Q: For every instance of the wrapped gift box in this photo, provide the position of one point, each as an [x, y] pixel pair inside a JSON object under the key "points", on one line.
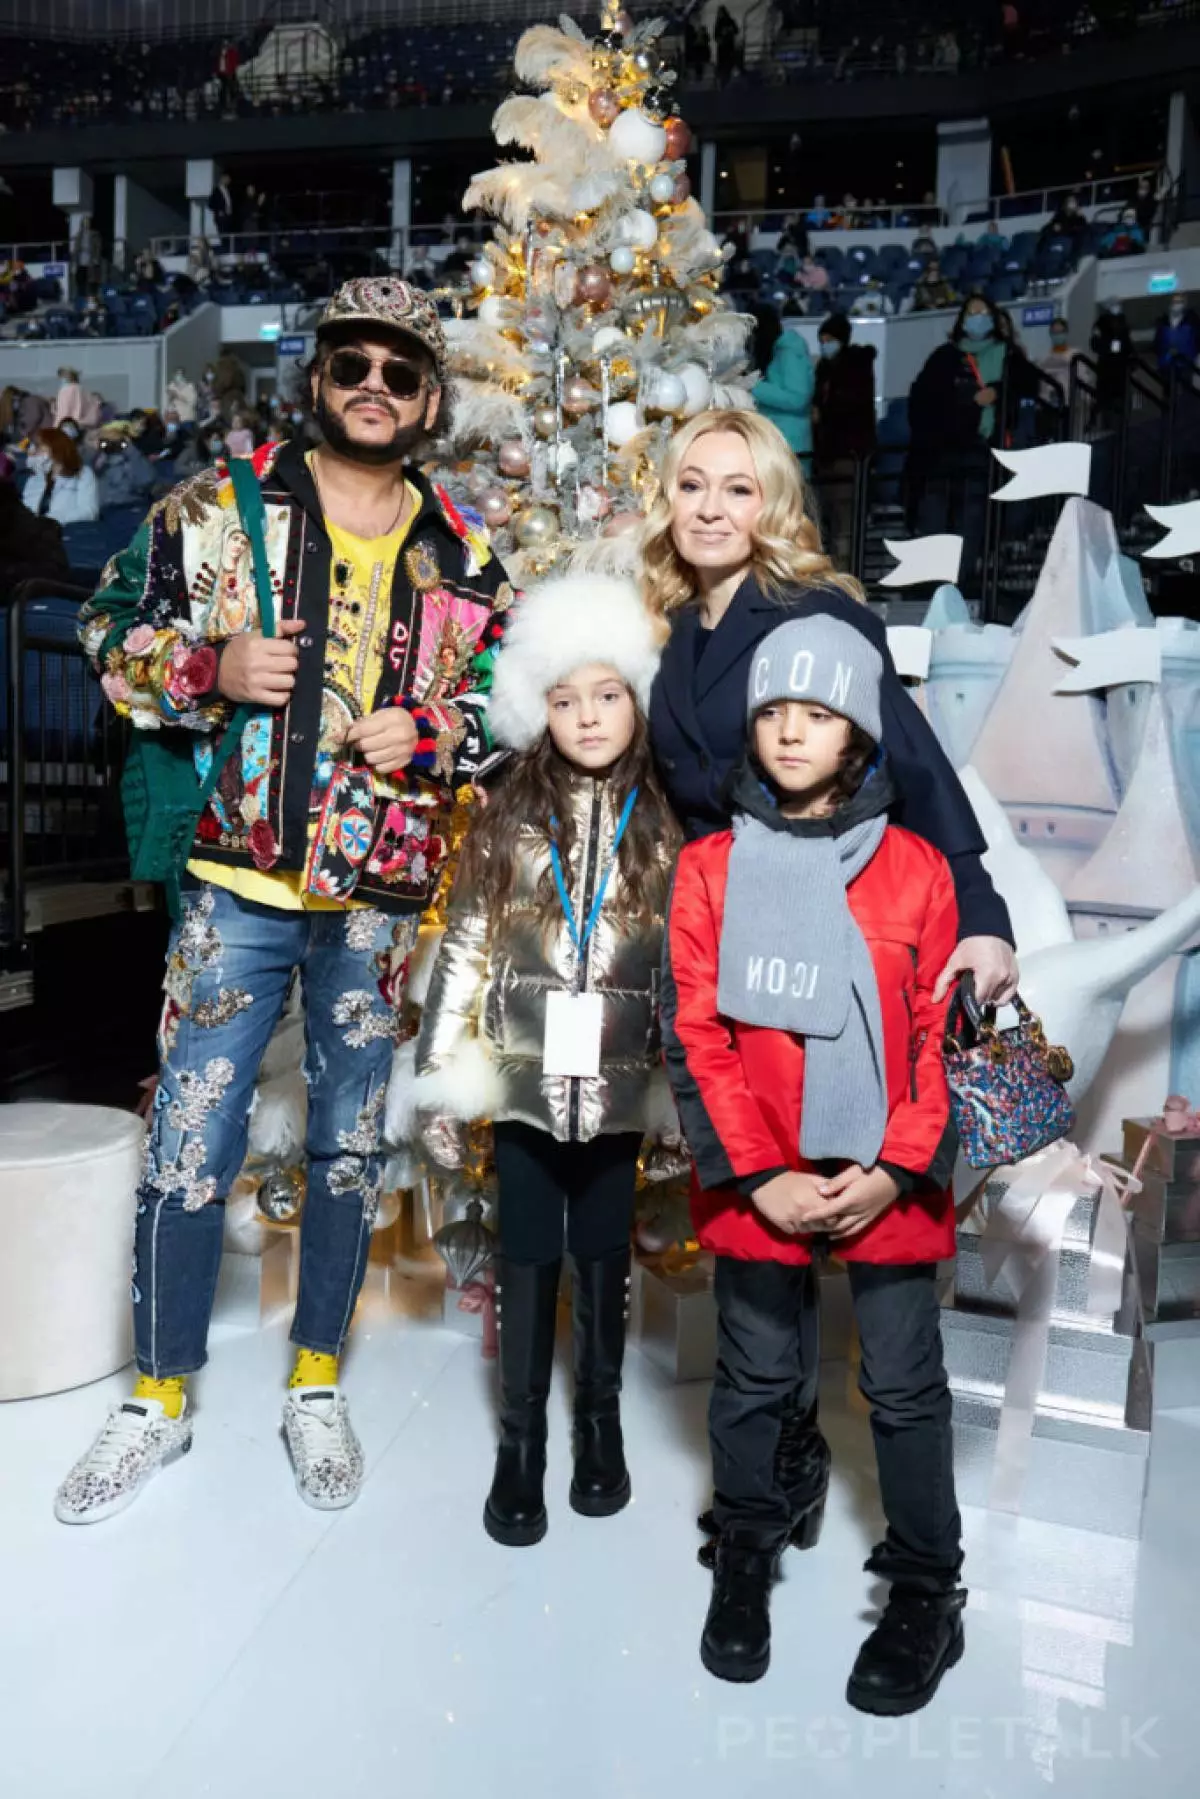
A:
{"points": [[1174, 1158], [1091, 1371], [971, 1286], [1169, 1275]]}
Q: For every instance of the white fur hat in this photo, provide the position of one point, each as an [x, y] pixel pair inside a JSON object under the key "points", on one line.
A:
{"points": [[557, 628]]}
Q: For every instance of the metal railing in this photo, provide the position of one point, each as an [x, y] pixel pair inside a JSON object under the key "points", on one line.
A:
{"points": [[60, 820]]}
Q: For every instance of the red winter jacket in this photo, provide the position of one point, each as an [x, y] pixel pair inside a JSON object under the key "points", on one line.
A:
{"points": [[739, 1086]]}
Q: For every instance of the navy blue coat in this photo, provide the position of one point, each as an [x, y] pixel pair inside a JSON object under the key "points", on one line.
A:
{"points": [[698, 732]]}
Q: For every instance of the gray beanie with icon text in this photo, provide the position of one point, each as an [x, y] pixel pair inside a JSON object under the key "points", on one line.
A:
{"points": [[821, 660]]}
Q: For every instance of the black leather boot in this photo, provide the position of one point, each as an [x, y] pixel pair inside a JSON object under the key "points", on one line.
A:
{"points": [[600, 1485], [802, 1469], [736, 1644], [899, 1666], [515, 1512]]}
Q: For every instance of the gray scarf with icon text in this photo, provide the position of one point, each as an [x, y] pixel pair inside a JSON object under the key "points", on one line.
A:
{"points": [[792, 958]]}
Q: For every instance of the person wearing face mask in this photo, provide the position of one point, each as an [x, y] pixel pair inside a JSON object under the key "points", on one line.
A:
{"points": [[59, 486], [1177, 338], [1125, 238], [785, 394], [843, 417], [1112, 346], [1062, 352], [1070, 221], [964, 400], [933, 292]]}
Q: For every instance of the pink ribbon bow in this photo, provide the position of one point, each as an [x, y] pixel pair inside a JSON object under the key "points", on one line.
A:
{"points": [[1179, 1119], [480, 1296]]}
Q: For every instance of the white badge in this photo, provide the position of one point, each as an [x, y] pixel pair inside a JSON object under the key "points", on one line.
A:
{"points": [[573, 1026]]}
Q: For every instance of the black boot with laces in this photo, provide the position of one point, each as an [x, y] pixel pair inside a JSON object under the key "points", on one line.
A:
{"points": [[899, 1666], [736, 1644]]}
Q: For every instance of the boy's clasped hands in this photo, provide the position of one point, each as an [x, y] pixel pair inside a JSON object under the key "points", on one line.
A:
{"points": [[838, 1207]]}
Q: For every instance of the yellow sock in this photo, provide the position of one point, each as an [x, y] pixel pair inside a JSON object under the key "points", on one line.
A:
{"points": [[313, 1369], [170, 1392]]}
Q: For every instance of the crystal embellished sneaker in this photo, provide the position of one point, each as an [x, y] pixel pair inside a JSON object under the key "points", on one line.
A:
{"points": [[327, 1457], [137, 1440]]}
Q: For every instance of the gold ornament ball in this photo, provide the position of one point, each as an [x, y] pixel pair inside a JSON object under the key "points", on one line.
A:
{"points": [[495, 508], [513, 459], [536, 528], [603, 106], [578, 396], [545, 420]]}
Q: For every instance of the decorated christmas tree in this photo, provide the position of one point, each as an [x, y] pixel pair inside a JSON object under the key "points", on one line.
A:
{"points": [[593, 324]]}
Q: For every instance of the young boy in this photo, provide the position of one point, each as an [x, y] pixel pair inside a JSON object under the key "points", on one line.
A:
{"points": [[805, 1050]]}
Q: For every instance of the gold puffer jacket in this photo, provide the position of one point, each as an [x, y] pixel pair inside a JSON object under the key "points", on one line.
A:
{"points": [[480, 1050]]}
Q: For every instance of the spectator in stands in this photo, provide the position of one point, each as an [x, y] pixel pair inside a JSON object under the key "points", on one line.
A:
{"points": [[960, 404], [59, 486], [1125, 238], [19, 291], [239, 439], [148, 272], [1112, 346], [1146, 207], [785, 395], [74, 401], [819, 217], [147, 428], [933, 291], [228, 62], [697, 48], [1057, 365], [229, 385], [812, 276], [872, 302], [94, 319], [1177, 338], [924, 244], [460, 258], [31, 548], [793, 239], [124, 476], [223, 207], [727, 37], [843, 419], [200, 262], [993, 238], [175, 435], [182, 398], [22, 415], [1069, 221], [85, 253]]}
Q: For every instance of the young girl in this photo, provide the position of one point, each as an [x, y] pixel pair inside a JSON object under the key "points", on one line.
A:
{"points": [[542, 1016], [804, 1046]]}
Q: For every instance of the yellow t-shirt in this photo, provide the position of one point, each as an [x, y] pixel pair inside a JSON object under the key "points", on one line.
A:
{"points": [[360, 606]]}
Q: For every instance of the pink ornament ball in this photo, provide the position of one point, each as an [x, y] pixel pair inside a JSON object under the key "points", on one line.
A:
{"points": [[679, 139], [594, 286], [604, 106], [683, 189], [495, 508], [513, 458]]}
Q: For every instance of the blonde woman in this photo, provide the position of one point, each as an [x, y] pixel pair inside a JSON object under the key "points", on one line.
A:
{"points": [[730, 553]]}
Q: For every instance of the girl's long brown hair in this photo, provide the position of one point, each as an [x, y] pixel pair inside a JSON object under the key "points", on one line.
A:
{"points": [[537, 787]]}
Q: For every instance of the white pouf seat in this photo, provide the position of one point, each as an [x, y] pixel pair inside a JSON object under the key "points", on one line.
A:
{"points": [[68, 1186]]}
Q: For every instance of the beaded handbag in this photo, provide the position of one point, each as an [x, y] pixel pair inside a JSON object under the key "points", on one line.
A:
{"points": [[1007, 1088]]}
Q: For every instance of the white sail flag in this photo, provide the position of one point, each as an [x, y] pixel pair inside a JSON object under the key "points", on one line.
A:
{"points": [[1182, 524], [1051, 468], [923, 559], [911, 647], [1110, 659]]}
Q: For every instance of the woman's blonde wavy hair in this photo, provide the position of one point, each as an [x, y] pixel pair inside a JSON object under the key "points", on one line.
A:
{"points": [[786, 543]]}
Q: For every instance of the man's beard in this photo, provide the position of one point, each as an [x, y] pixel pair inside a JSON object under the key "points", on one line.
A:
{"points": [[399, 448]]}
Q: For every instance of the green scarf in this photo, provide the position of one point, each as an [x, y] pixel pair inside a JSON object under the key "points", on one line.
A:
{"points": [[989, 354]]}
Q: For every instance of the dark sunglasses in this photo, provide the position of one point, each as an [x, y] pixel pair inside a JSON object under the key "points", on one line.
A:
{"points": [[350, 368]]}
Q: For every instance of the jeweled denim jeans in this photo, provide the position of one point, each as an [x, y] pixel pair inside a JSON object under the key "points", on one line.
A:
{"points": [[229, 969]]}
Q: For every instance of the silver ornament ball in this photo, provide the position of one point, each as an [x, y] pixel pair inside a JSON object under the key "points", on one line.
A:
{"points": [[281, 1195], [536, 528]]}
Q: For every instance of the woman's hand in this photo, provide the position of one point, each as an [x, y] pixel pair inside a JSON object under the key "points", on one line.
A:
{"points": [[993, 964], [851, 1201]]}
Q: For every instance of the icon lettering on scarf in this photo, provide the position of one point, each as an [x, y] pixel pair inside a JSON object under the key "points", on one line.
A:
{"points": [[775, 974]]}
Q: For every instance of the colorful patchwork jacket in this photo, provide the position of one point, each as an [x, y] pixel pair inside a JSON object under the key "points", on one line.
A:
{"points": [[185, 585]]}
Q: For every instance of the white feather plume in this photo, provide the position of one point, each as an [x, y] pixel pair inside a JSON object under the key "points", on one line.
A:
{"points": [[399, 1118], [485, 413], [279, 1117], [542, 127], [515, 190], [722, 337], [545, 54], [620, 556]]}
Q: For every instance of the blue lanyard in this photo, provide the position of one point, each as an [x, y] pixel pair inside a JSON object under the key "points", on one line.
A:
{"points": [[581, 943]]}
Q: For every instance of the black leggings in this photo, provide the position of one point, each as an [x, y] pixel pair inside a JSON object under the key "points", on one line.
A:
{"points": [[551, 1193]]}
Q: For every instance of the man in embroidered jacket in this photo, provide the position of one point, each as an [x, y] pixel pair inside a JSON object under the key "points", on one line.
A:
{"points": [[322, 843]]}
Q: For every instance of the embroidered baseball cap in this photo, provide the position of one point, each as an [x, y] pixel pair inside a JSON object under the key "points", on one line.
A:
{"points": [[388, 301]]}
